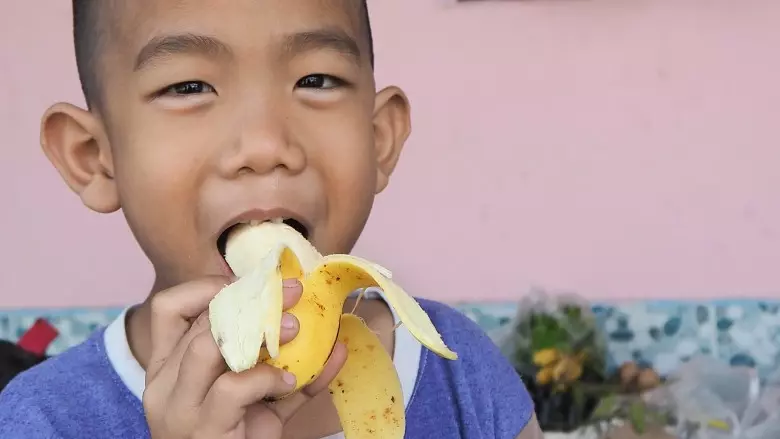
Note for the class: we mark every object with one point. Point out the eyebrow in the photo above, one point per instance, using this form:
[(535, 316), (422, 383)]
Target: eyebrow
[(167, 45), (294, 44), (333, 39)]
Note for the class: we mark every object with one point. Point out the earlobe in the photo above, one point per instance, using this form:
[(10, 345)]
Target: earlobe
[(74, 141), (392, 126)]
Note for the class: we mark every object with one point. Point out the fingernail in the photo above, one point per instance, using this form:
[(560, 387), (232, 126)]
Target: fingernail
[(288, 321), (288, 378), (290, 283)]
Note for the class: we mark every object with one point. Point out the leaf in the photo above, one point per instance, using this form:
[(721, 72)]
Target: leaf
[(606, 407), (573, 313), (547, 337), (545, 321), (636, 414)]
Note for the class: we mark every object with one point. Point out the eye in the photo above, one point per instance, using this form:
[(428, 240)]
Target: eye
[(320, 81), (188, 88)]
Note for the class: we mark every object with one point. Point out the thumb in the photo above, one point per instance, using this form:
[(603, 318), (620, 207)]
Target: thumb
[(286, 408)]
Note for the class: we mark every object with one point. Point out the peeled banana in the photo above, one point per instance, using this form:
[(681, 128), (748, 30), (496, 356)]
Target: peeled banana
[(246, 316)]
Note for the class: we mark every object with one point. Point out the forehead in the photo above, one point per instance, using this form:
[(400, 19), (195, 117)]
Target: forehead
[(240, 22)]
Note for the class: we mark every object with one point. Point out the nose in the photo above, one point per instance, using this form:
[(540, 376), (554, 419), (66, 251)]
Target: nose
[(262, 145)]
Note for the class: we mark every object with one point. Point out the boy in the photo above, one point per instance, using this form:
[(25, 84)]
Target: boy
[(203, 114)]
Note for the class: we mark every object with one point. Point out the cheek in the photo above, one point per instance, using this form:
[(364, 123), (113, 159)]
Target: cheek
[(157, 178), (350, 187), (348, 166), (158, 196), (161, 163)]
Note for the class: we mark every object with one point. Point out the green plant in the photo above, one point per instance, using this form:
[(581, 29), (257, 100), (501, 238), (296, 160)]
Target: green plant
[(560, 353)]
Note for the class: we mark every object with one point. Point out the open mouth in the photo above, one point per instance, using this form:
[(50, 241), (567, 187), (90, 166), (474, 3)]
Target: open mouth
[(292, 222)]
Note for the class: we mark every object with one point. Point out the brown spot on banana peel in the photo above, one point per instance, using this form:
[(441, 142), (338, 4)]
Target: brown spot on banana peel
[(368, 404)]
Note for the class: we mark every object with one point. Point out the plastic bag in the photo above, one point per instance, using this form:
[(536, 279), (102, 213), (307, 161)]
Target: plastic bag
[(574, 325), (712, 400)]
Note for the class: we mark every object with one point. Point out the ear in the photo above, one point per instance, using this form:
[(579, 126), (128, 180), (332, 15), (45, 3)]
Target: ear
[(75, 142), (392, 126)]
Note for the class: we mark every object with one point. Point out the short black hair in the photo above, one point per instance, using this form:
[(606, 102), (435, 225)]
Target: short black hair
[(91, 31)]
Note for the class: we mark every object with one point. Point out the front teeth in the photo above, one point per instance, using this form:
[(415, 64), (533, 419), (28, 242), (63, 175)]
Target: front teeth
[(272, 220)]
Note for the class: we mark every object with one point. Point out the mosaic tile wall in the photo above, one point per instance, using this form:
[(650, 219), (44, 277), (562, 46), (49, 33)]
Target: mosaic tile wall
[(661, 333), (666, 333), (74, 325)]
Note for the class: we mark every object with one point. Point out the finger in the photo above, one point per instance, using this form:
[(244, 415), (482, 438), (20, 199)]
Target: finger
[(172, 313), (231, 394), (287, 407), (290, 327), (167, 370), (332, 368), (202, 362), (293, 289), (159, 386), (201, 365)]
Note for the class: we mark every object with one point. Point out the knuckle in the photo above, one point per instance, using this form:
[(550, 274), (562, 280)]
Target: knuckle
[(201, 322), (149, 403), (153, 407), (202, 347), (165, 420), (266, 379), (160, 303), (226, 386)]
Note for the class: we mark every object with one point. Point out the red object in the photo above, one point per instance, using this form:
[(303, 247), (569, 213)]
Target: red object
[(38, 338)]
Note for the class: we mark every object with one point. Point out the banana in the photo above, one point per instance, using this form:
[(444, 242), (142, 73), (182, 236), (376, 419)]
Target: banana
[(368, 405), (246, 315), (546, 357)]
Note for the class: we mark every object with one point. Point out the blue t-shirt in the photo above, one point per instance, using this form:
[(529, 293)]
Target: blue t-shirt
[(78, 394)]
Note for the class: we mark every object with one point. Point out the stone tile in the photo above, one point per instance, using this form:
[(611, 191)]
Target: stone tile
[(748, 334), (658, 334)]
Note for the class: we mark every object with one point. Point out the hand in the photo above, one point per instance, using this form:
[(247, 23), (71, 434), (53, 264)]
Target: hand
[(191, 394)]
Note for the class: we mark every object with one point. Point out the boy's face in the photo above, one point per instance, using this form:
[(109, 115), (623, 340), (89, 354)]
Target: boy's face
[(212, 111)]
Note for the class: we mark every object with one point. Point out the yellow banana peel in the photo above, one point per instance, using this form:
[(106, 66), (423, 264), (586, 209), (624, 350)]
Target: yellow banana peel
[(567, 371), (371, 405), (556, 367), (719, 424), (546, 357), (246, 318), (544, 376)]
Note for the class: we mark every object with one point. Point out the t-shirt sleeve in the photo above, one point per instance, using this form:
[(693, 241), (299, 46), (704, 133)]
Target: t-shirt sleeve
[(20, 416), (496, 391)]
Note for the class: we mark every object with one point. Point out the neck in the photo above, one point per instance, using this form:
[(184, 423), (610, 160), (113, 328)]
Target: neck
[(138, 327)]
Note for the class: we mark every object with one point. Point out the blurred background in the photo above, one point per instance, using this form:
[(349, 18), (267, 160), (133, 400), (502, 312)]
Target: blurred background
[(619, 149), (596, 183)]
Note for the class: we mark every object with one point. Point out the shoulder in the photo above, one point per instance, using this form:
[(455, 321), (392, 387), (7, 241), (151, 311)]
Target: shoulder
[(452, 323), (483, 386), (473, 346), (68, 392)]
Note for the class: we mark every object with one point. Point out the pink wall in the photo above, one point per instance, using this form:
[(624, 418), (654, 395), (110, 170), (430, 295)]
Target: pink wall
[(616, 148)]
